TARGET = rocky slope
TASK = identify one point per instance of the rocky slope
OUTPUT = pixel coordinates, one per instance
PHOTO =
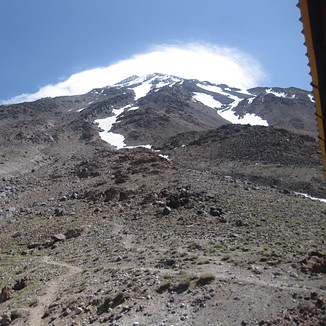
(216, 234)
(268, 156)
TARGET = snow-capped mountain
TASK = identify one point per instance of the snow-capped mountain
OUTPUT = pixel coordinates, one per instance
(141, 110)
(72, 189)
(148, 110)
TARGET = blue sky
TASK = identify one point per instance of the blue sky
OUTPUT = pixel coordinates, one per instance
(46, 42)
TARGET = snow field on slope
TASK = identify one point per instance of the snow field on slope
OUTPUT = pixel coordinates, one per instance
(248, 118)
(219, 90)
(207, 100)
(228, 113)
(134, 108)
(106, 124)
(278, 94)
(155, 83)
(142, 90)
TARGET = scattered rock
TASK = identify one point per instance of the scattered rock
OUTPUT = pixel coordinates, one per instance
(121, 179)
(167, 210)
(123, 196)
(9, 213)
(239, 223)
(66, 311)
(6, 293)
(19, 234)
(74, 233)
(120, 298)
(256, 269)
(163, 287)
(111, 194)
(215, 211)
(150, 198)
(58, 237)
(60, 212)
(222, 219)
(110, 303)
(74, 195)
(166, 263)
(177, 200)
(182, 286)
(21, 283)
(316, 265)
(5, 319)
(202, 212)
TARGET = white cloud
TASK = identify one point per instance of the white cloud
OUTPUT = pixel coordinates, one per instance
(205, 62)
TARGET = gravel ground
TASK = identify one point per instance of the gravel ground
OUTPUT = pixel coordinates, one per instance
(104, 237)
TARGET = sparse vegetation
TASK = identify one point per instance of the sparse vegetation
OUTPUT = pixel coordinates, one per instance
(205, 279)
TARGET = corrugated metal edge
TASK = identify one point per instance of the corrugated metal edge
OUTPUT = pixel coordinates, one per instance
(307, 32)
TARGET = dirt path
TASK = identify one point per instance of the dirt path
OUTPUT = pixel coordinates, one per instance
(35, 318)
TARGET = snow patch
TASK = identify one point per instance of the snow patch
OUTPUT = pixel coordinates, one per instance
(106, 124)
(137, 146)
(162, 155)
(248, 118)
(228, 113)
(251, 99)
(113, 139)
(165, 156)
(207, 100)
(133, 108)
(151, 83)
(279, 94)
(310, 197)
(211, 88)
(80, 110)
(168, 81)
(162, 84)
(311, 98)
(142, 90)
(219, 90)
